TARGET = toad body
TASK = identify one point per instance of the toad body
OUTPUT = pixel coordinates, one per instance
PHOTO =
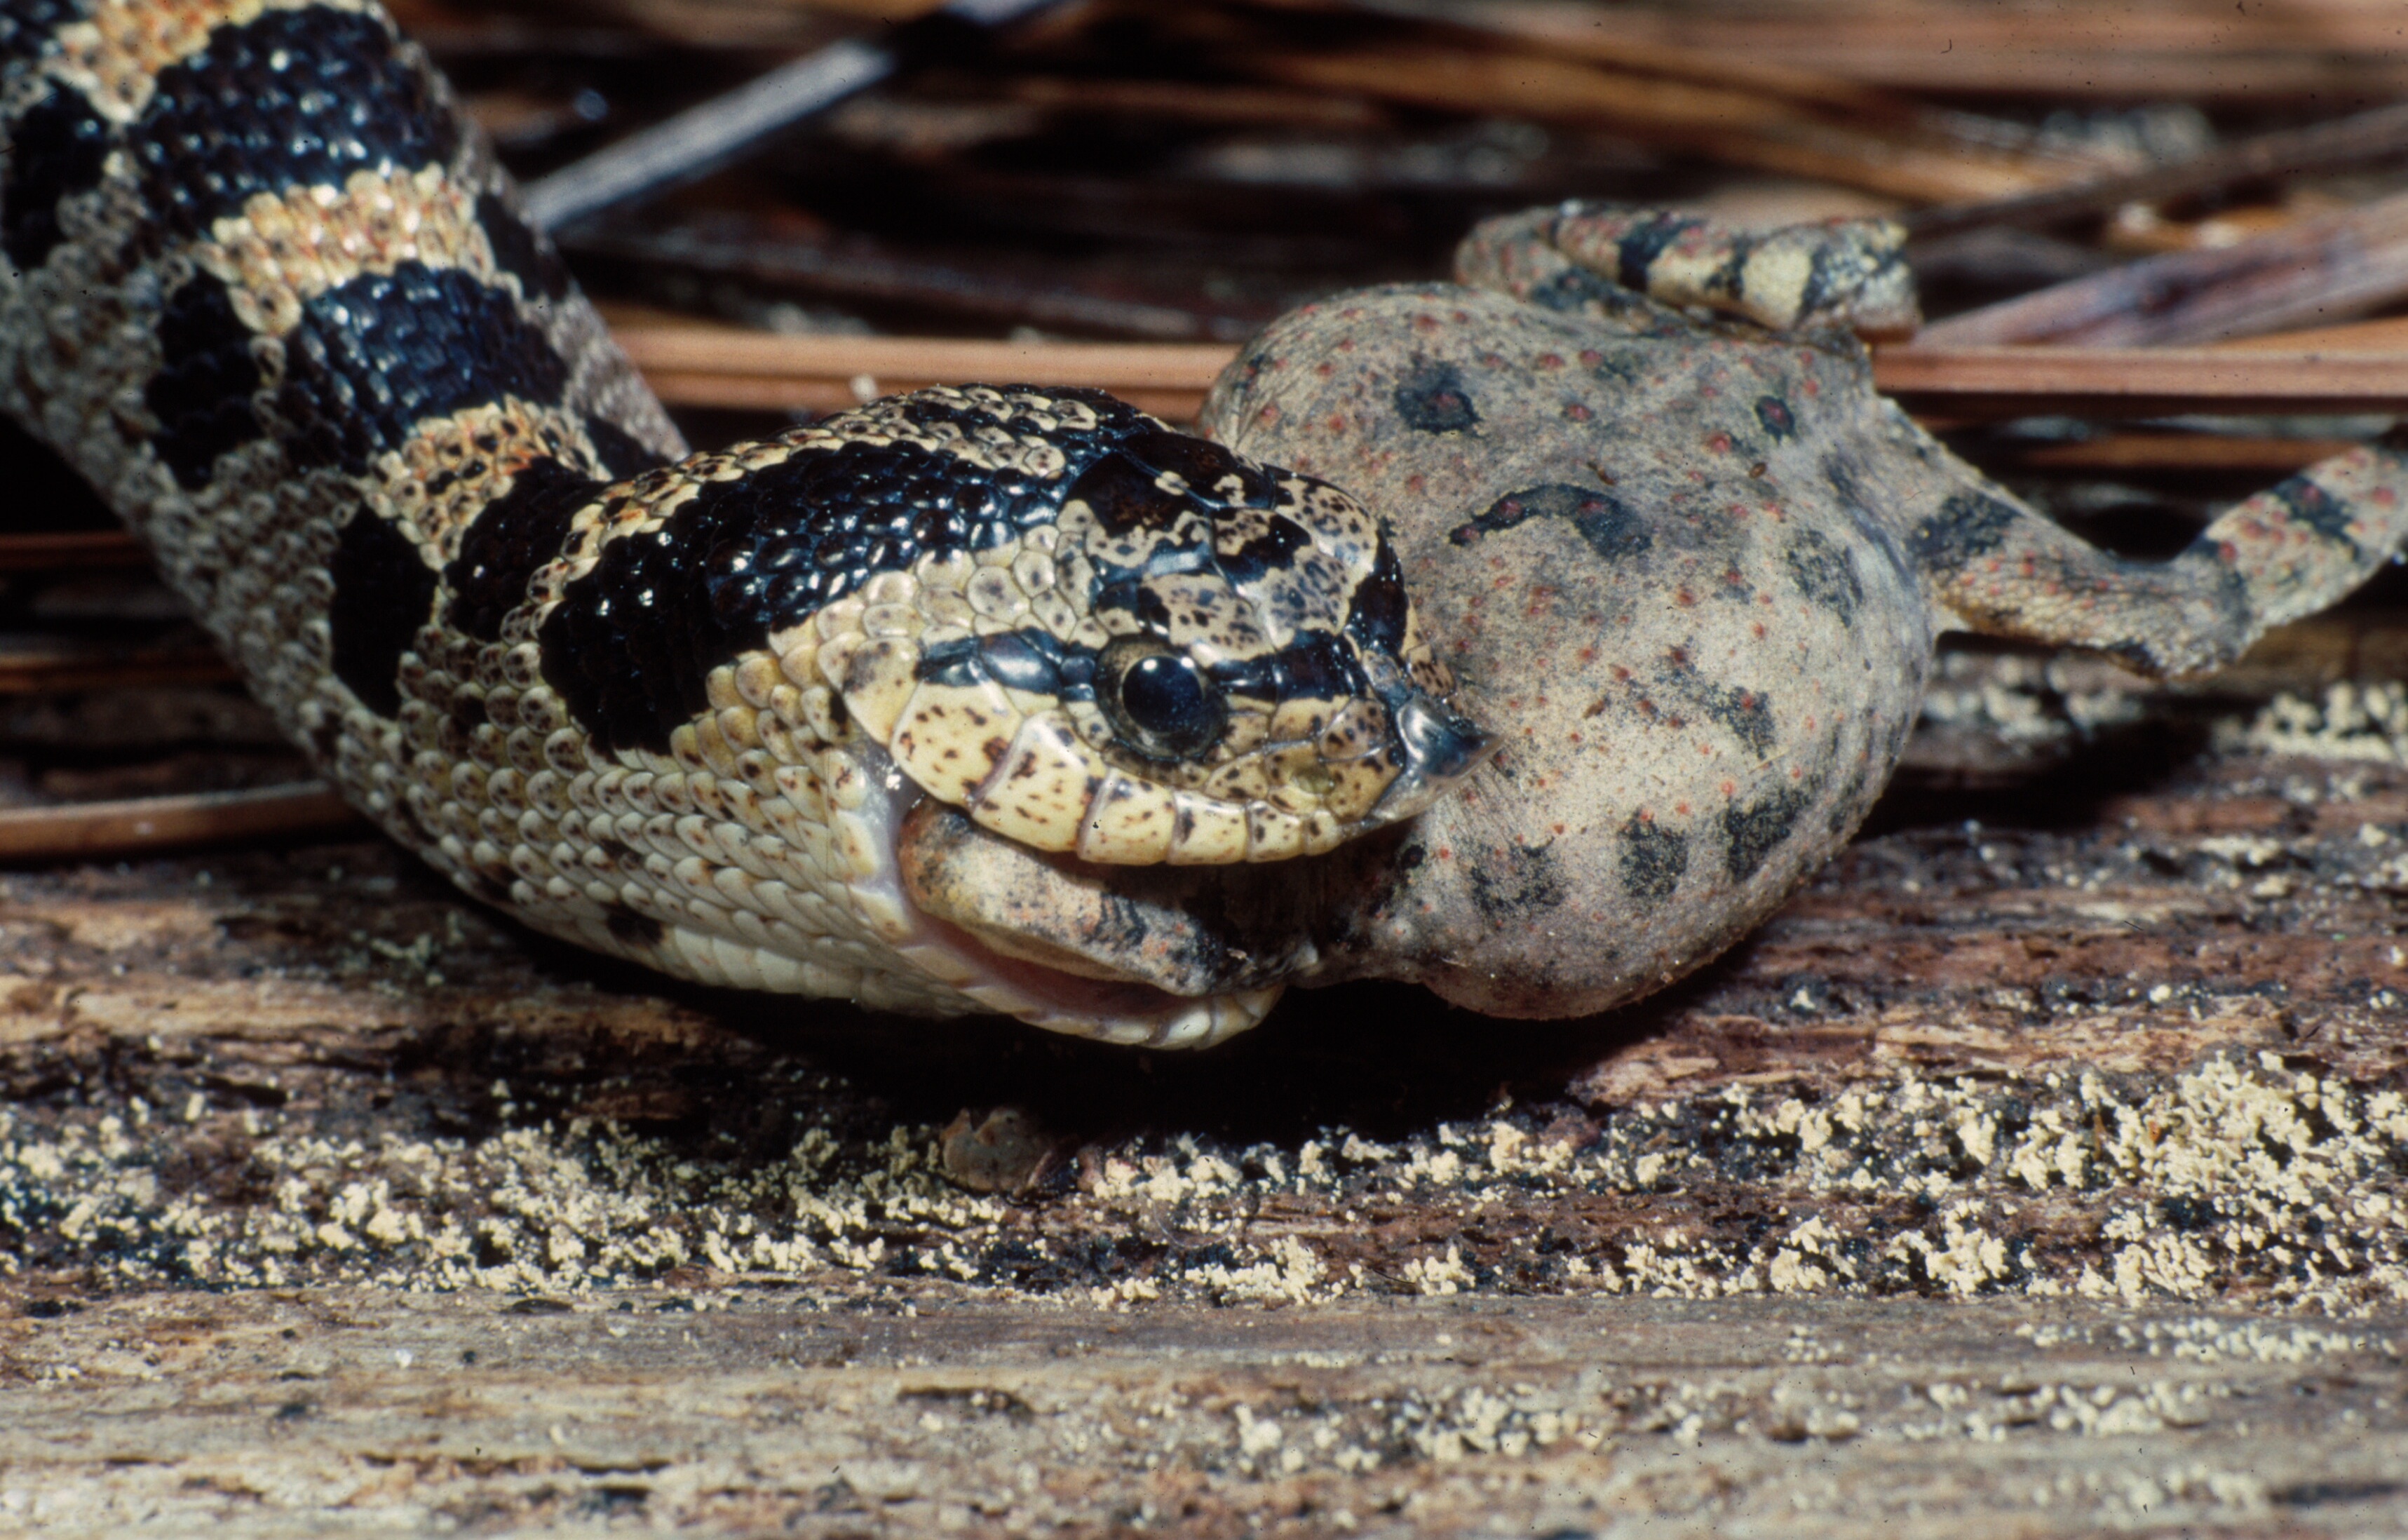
(1691, 565)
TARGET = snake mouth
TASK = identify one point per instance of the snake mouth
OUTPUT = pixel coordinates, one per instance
(1018, 973)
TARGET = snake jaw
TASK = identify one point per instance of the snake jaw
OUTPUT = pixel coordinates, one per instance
(1044, 986)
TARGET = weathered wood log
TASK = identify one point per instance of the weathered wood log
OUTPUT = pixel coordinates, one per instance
(903, 1411)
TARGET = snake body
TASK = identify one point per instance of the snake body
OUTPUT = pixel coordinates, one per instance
(265, 289)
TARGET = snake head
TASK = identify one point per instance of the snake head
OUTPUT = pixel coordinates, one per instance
(1196, 659)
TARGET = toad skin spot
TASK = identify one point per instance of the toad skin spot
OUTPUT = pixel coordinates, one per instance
(1432, 399)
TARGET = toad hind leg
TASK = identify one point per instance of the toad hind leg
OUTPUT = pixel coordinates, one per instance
(1999, 569)
(1988, 563)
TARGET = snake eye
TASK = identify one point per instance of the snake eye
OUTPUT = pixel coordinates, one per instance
(1168, 710)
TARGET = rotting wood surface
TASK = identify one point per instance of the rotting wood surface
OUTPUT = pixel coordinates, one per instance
(299, 1412)
(1965, 1166)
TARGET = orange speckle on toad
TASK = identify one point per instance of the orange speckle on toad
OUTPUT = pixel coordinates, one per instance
(1730, 788)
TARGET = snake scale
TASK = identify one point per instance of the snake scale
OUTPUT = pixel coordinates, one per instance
(262, 285)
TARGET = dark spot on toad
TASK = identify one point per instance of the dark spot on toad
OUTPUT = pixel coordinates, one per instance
(1608, 523)
(1575, 289)
(1522, 881)
(1969, 524)
(1432, 399)
(1826, 574)
(1746, 712)
(1756, 831)
(1774, 413)
(1652, 860)
(2311, 505)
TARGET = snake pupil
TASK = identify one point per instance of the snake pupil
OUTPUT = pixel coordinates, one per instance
(1170, 704)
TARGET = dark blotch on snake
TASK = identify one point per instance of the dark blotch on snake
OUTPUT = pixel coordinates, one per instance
(633, 642)
(517, 533)
(1275, 547)
(1203, 465)
(375, 357)
(319, 94)
(1124, 495)
(28, 27)
(1377, 622)
(384, 592)
(1636, 252)
(520, 251)
(201, 395)
(55, 152)
(631, 928)
(1030, 659)
(2311, 505)
(621, 452)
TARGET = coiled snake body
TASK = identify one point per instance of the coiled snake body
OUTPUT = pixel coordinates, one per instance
(262, 289)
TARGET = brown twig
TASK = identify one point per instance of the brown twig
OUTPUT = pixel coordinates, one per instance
(2117, 53)
(2366, 137)
(1597, 34)
(2024, 382)
(42, 664)
(1744, 127)
(2193, 452)
(156, 823)
(2388, 335)
(696, 366)
(2316, 269)
(711, 134)
(65, 551)
(857, 272)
